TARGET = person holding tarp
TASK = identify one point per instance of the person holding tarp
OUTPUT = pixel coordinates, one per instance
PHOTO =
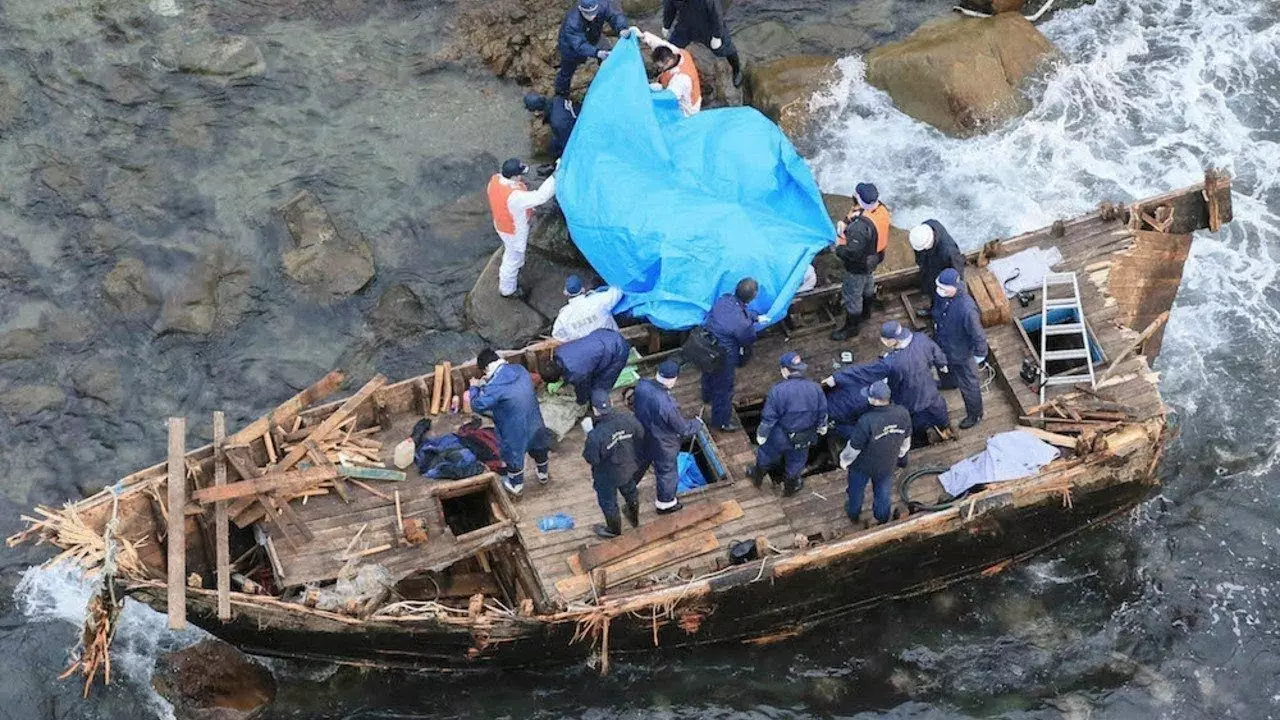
(666, 431)
(506, 393)
(579, 39)
(701, 21)
(676, 72)
(731, 325)
(591, 364)
(612, 450)
(512, 202)
(793, 418)
(879, 442)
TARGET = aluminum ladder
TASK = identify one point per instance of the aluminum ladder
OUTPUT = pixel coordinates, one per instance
(1078, 329)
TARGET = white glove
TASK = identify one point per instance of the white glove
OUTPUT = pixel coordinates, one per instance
(943, 370)
(979, 360)
(829, 381)
(587, 424)
(666, 32)
(847, 456)
(840, 226)
(822, 430)
(760, 440)
(656, 87)
(602, 54)
(763, 319)
(626, 33)
(716, 43)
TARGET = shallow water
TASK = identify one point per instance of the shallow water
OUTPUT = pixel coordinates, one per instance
(1169, 612)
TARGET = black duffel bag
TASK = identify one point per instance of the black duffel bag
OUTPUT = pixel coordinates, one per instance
(703, 351)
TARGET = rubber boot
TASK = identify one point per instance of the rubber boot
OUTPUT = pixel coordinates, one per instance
(969, 422)
(792, 486)
(867, 304)
(632, 511)
(756, 474)
(610, 528)
(851, 325)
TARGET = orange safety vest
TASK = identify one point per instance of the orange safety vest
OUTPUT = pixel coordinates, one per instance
(687, 67)
(499, 194)
(879, 216)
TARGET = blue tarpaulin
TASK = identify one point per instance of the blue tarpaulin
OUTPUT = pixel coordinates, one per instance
(677, 210)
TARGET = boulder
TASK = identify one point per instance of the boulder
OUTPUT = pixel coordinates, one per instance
(506, 322)
(26, 400)
(222, 55)
(99, 380)
(331, 264)
(400, 315)
(962, 76)
(781, 89)
(20, 344)
(213, 681)
(766, 41)
(213, 296)
(129, 288)
(549, 233)
(993, 7)
(636, 9)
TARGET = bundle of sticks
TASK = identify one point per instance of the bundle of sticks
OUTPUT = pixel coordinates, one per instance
(1082, 411)
(81, 544)
(344, 445)
(93, 653)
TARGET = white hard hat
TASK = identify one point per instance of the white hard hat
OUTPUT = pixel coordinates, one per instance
(921, 237)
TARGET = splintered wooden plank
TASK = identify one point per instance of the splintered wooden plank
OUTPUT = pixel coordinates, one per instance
(332, 422)
(286, 411)
(1065, 441)
(221, 527)
(594, 556)
(651, 560)
(730, 511)
(291, 481)
(177, 537)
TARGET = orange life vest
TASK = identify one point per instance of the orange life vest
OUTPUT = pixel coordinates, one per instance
(879, 216)
(499, 194)
(687, 67)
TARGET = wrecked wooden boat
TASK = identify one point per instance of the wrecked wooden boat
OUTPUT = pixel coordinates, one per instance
(292, 537)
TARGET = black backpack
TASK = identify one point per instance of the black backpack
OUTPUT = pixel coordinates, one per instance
(703, 351)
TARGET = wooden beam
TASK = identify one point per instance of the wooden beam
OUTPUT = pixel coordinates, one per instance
(1065, 441)
(221, 528)
(650, 560)
(288, 410)
(603, 553)
(437, 388)
(332, 422)
(177, 532)
(291, 481)
(1137, 343)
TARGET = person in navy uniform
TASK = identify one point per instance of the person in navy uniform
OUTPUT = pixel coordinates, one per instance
(560, 113)
(733, 324)
(579, 39)
(794, 417)
(506, 394)
(908, 368)
(612, 450)
(666, 431)
(958, 331)
(879, 442)
(591, 364)
(935, 251)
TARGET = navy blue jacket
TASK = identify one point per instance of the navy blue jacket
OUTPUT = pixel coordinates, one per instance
(846, 402)
(959, 327)
(879, 436)
(665, 429)
(734, 325)
(701, 19)
(613, 446)
(580, 38)
(796, 404)
(510, 399)
(907, 370)
(585, 358)
(561, 115)
(945, 253)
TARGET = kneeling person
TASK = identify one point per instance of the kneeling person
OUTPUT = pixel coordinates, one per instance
(612, 451)
(879, 442)
(795, 414)
(592, 364)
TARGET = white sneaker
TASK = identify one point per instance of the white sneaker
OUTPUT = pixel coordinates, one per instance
(544, 478)
(512, 488)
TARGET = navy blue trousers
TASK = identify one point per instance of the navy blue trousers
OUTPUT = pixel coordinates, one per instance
(607, 492)
(881, 494)
(665, 475)
(963, 375)
(775, 452)
(717, 389)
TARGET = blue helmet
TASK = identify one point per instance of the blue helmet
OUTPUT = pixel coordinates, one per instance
(513, 168)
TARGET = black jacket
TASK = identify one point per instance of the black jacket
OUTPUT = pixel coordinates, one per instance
(612, 447)
(944, 254)
(860, 243)
(701, 19)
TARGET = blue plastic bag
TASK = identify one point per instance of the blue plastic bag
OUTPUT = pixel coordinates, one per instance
(677, 210)
(552, 523)
(690, 474)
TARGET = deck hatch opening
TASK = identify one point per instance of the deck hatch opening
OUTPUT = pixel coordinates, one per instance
(1061, 316)
(707, 458)
(468, 512)
(823, 454)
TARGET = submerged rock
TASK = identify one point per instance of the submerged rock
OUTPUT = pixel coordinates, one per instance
(99, 380)
(401, 316)
(962, 76)
(128, 286)
(222, 55)
(331, 264)
(213, 296)
(213, 681)
(20, 344)
(26, 400)
(781, 89)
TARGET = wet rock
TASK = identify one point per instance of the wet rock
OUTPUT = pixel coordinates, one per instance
(717, 79)
(451, 176)
(962, 76)
(781, 89)
(221, 55)
(11, 101)
(636, 9)
(550, 234)
(330, 263)
(765, 41)
(213, 681)
(827, 692)
(401, 316)
(212, 297)
(99, 380)
(504, 322)
(16, 270)
(26, 400)
(516, 39)
(129, 288)
(993, 7)
(21, 344)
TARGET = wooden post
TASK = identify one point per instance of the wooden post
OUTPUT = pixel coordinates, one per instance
(437, 382)
(177, 537)
(220, 525)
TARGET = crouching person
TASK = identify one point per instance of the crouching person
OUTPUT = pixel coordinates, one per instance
(879, 442)
(612, 451)
(506, 394)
